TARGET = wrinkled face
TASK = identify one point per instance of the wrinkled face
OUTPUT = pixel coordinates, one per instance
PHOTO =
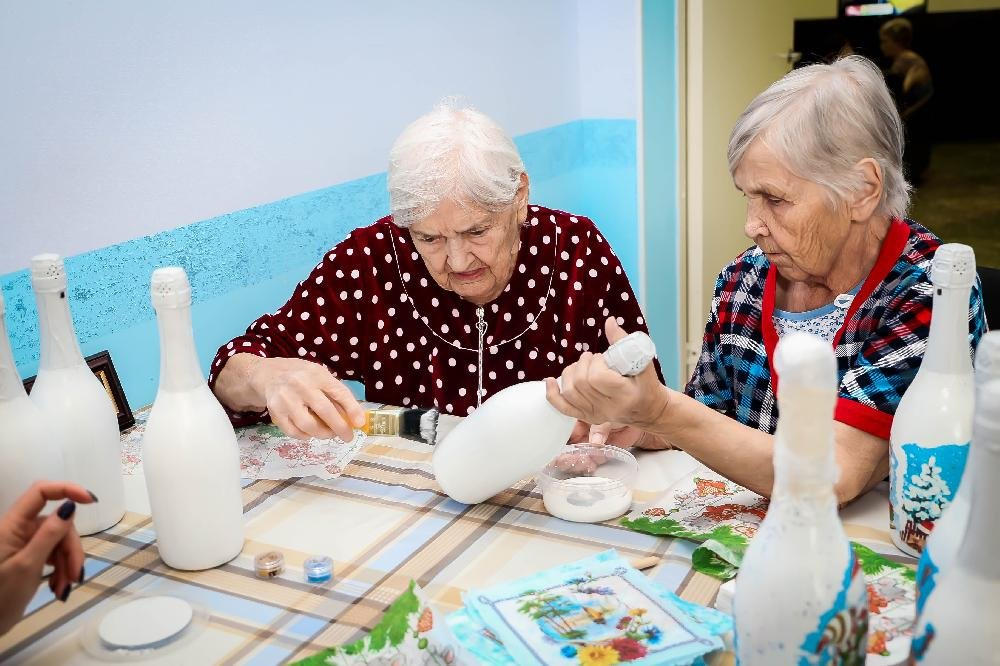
(470, 251)
(790, 218)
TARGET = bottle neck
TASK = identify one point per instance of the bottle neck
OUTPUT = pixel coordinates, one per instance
(804, 466)
(59, 346)
(11, 387)
(179, 368)
(978, 552)
(948, 341)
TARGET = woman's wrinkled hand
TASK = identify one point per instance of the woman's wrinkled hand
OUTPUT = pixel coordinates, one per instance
(29, 541)
(592, 392)
(305, 400)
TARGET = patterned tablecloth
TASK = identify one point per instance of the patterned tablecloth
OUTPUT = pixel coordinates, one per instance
(384, 521)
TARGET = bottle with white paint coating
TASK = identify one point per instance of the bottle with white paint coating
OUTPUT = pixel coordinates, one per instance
(28, 449)
(75, 403)
(800, 594)
(516, 432)
(942, 545)
(189, 450)
(932, 426)
(958, 624)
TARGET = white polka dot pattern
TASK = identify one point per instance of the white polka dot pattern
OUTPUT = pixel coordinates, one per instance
(348, 316)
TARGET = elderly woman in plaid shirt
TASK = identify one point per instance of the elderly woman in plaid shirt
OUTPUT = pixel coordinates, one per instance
(818, 158)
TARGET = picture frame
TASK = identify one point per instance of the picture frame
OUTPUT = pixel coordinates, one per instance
(104, 369)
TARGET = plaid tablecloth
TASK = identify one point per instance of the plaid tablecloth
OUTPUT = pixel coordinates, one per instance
(384, 522)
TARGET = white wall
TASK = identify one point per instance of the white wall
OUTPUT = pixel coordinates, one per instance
(608, 58)
(123, 118)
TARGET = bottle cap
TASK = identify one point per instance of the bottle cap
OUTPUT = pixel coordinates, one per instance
(954, 265)
(804, 360)
(318, 568)
(48, 272)
(988, 358)
(269, 564)
(170, 288)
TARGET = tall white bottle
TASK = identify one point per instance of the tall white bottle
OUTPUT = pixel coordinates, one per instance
(942, 545)
(517, 432)
(932, 427)
(959, 622)
(800, 595)
(189, 450)
(28, 449)
(75, 403)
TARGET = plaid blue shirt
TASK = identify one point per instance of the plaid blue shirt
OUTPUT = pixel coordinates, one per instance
(878, 349)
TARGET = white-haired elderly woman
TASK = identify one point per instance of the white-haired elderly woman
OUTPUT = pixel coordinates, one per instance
(463, 290)
(818, 158)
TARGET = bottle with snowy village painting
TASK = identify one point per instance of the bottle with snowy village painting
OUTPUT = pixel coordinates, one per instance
(933, 423)
(958, 624)
(800, 593)
(942, 545)
(83, 419)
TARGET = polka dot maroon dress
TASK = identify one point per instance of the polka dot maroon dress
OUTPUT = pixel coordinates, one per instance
(371, 312)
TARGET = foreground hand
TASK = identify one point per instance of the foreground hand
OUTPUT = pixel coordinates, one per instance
(305, 400)
(29, 541)
(594, 393)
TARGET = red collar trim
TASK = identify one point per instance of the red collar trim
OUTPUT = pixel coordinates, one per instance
(892, 248)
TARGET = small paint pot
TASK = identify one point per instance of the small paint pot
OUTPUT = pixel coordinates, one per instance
(318, 569)
(269, 564)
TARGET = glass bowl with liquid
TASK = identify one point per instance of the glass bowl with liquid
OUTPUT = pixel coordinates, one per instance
(589, 484)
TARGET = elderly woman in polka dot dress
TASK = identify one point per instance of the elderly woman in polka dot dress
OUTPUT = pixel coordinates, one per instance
(818, 157)
(463, 290)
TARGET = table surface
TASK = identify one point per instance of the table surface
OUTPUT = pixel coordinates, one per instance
(384, 522)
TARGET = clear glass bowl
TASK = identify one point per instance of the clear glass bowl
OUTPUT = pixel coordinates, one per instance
(589, 484)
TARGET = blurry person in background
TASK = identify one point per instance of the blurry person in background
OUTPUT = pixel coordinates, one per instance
(909, 80)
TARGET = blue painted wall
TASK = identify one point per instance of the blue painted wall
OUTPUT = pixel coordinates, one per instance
(661, 188)
(247, 262)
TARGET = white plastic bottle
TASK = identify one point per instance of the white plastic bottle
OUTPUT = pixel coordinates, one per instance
(28, 449)
(75, 403)
(942, 545)
(932, 426)
(959, 622)
(189, 450)
(516, 432)
(800, 595)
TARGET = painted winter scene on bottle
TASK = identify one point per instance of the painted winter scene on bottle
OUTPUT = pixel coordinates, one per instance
(265, 453)
(924, 487)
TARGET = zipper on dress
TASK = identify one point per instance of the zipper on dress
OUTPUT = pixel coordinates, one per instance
(481, 327)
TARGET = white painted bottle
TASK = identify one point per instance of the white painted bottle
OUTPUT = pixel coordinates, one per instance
(932, 426)
(800, 594)
(75, 403)
(28, 449)
(189, 450)
(959, 622)
(942, 545)
(516, 432)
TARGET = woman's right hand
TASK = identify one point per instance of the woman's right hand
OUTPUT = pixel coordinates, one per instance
(28, 541)
(305, 400)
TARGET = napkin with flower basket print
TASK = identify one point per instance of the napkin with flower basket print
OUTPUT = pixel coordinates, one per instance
(410, 632)
(595, 612)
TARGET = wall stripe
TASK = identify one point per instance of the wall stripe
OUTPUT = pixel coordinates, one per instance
(247, 262)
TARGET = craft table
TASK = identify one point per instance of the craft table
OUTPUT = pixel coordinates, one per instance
(384, 522)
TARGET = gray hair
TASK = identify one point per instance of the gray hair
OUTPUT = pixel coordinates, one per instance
(454, 152)
(822, 120)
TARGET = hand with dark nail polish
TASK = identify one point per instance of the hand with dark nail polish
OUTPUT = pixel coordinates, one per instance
(29, 540)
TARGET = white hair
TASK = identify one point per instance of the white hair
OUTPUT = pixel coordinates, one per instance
(822, 120)
(454, 152)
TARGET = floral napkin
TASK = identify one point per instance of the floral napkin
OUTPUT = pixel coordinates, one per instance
(595, 612)
(409, 633)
